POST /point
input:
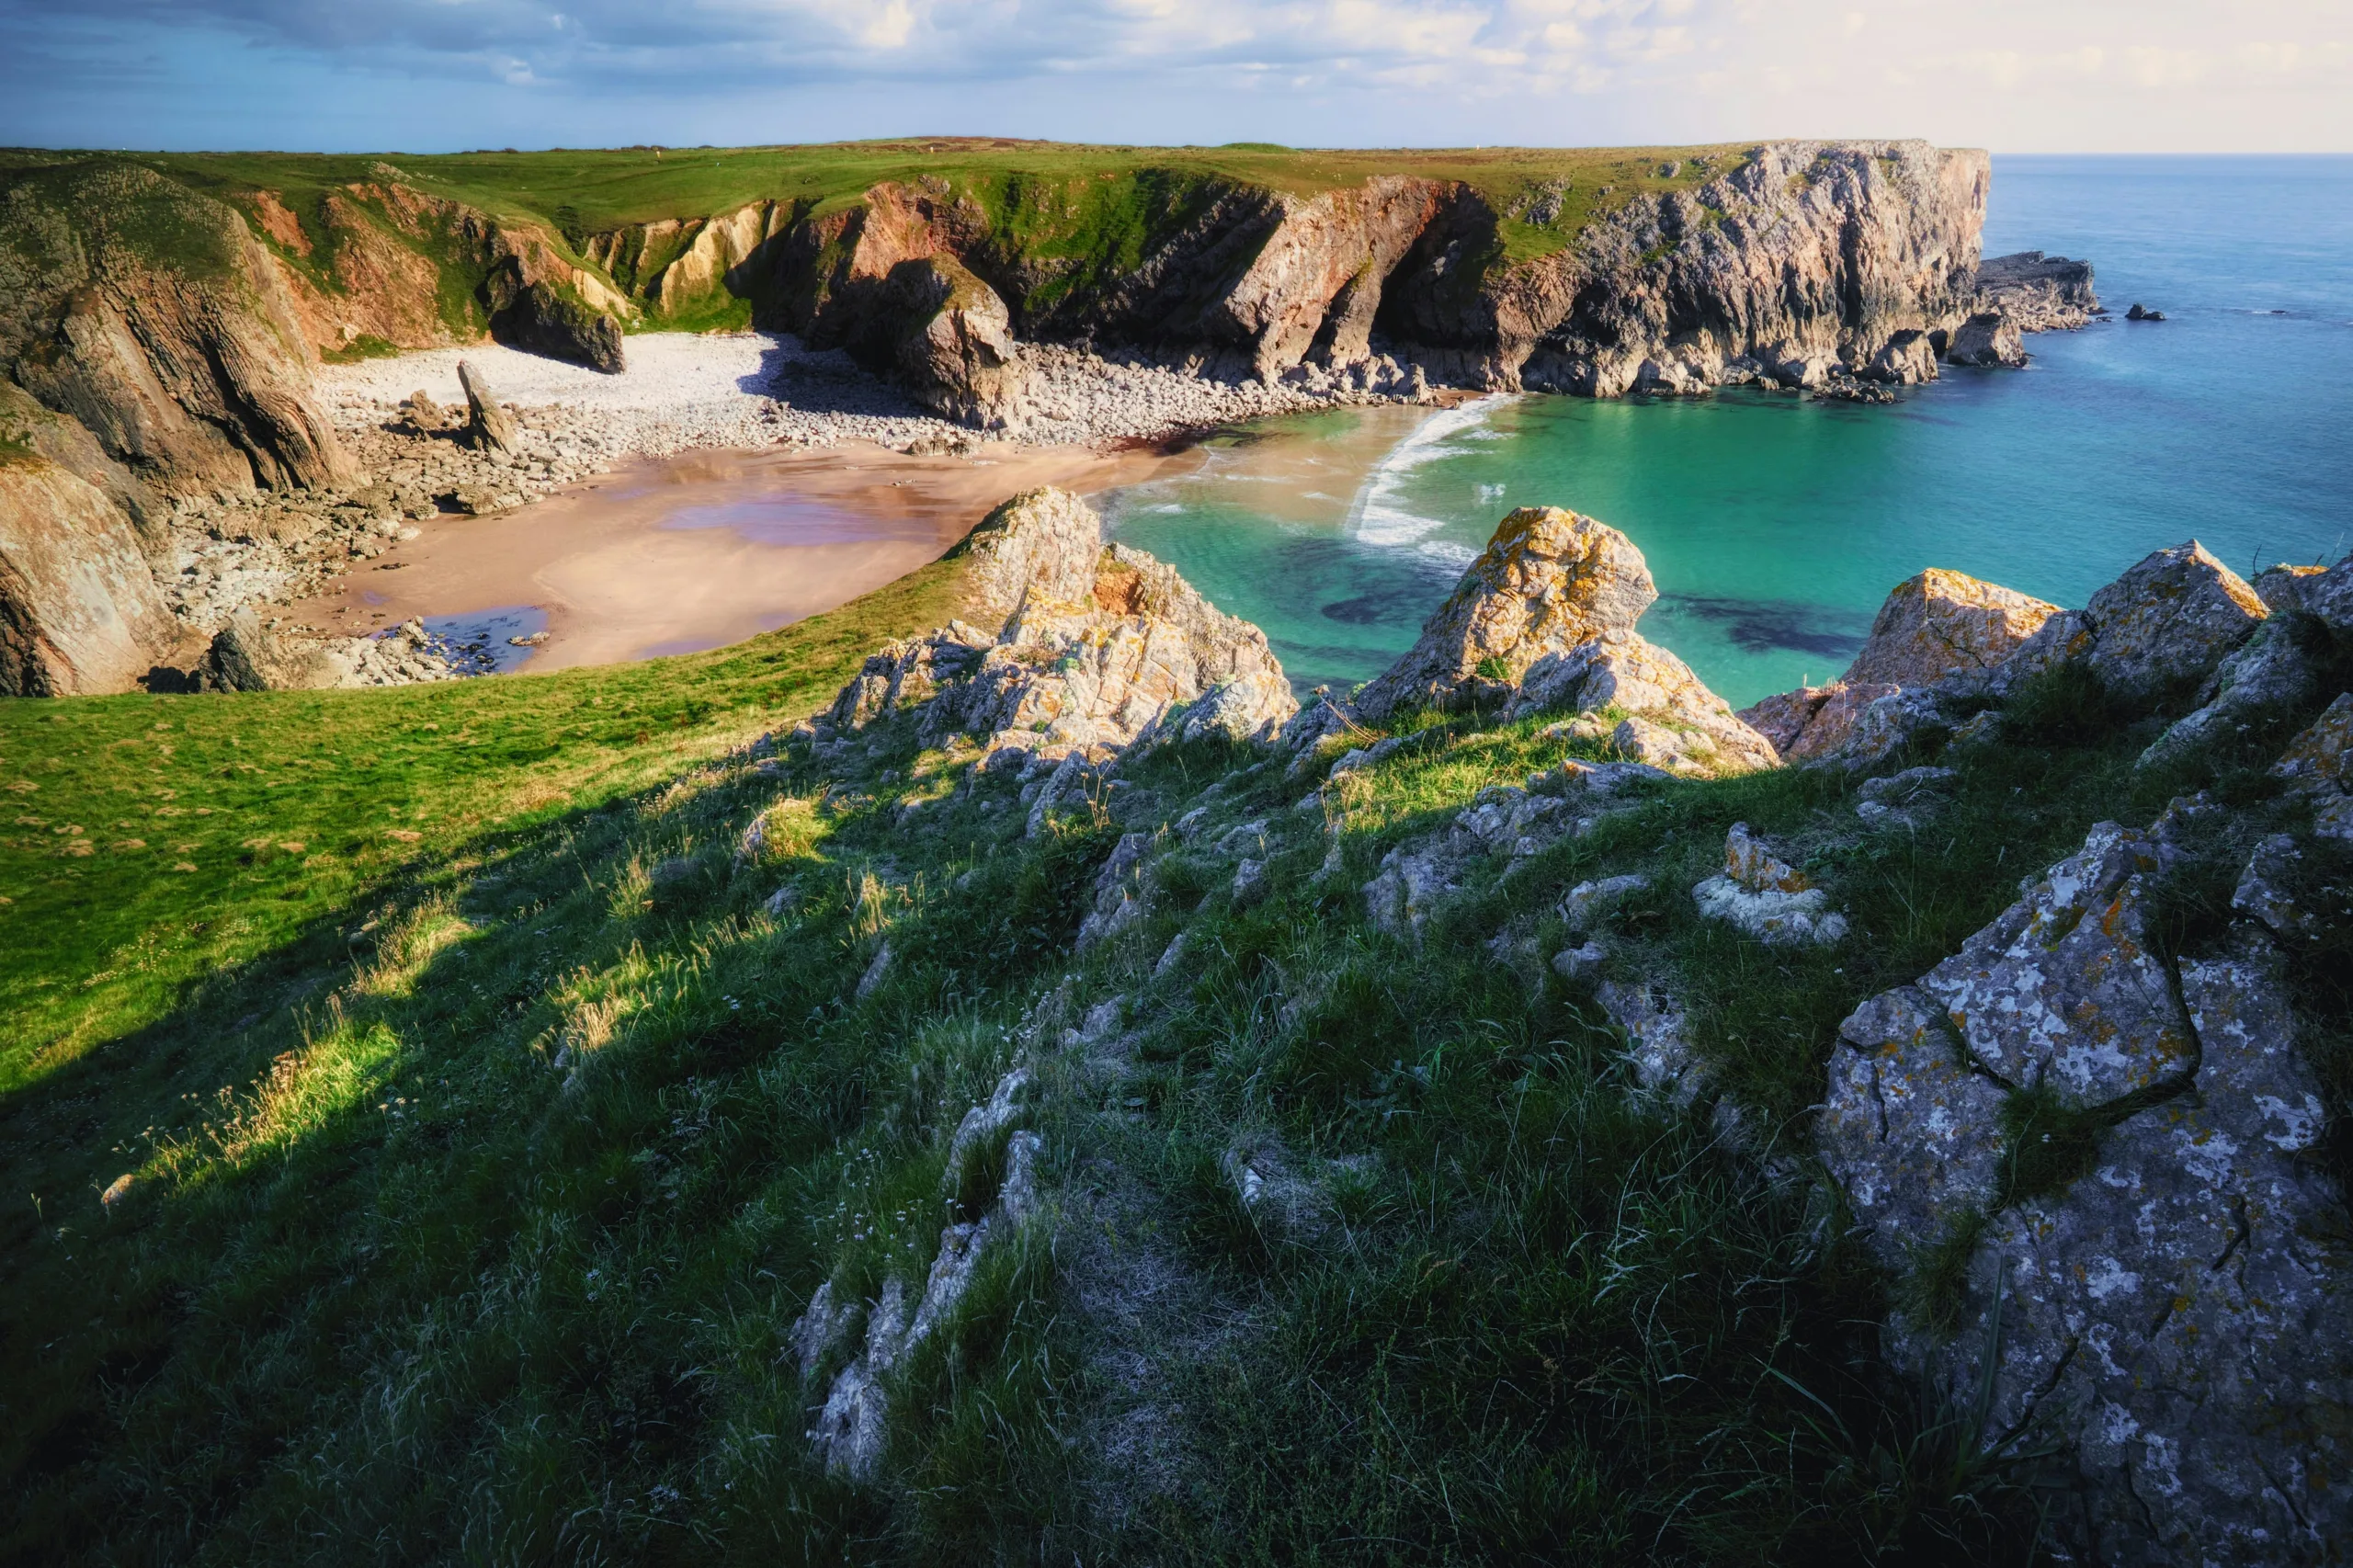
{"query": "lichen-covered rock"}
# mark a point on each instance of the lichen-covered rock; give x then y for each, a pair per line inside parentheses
(1549, 582)
(2066, 990)
(1683, 726)
(2180, 1317)
(1766, 897)
(79, 612)
(1943, 623)
(1909, 1126)
(2176, 1321)
(2163, 627)
(1933, 628)
(1095, 647)
(2319, 761)
(2271, 673)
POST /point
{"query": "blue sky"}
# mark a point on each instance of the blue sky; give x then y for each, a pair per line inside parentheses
(427, 75)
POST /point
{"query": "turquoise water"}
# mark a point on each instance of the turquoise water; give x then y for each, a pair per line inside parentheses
(1776, 526)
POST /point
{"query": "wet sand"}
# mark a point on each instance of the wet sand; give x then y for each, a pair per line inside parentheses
(697, 550)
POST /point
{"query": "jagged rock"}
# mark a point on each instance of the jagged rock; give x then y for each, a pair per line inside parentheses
(1766, 897)
(2141, 313)
(2327, 596)
(1900, 798)
(1659, 1050)
(1583, 903)
(2179, 1317)
(247, 656)
(2066, 990)
(852, 1429)
(2165, 624)
(1119, 893)
(1911, 1127)
(79, 612)
(1042, 542)
(2176, 1319)
(2270, 672)
(1414, 879)
(2041, 293)
(1943, 623)
(488, 423)
(1932, 628)
(1098, 645)
(1549, 582)
(1988, 337)
(150, 314)
(1250, 708)
(2319, 761)
(1618, 669)
(548, 318)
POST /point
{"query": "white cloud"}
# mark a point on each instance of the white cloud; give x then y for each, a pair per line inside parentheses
(2157, 73)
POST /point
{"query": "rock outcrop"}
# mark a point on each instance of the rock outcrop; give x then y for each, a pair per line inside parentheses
(1987, 338)
(1545, 620)
(2114, 1144)
(1096, 649)
(488, 424)
(2161, 628)
(79, 613)
(2039, 293)
(152, 316)
(1932, 628)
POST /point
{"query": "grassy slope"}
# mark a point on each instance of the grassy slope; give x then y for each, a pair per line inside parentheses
(476, 1195)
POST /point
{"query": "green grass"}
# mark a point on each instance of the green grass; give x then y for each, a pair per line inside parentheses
(361, 348)
(478, 1180)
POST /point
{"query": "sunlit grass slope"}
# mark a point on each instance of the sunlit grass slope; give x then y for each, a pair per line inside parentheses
(474, 1189)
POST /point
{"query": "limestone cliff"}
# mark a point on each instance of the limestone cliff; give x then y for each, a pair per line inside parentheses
(78, 607)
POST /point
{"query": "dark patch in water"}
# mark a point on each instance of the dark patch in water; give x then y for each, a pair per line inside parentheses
(1757, 626)
(1372, 609)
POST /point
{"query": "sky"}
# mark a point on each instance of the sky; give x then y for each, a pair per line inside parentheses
(437, 75)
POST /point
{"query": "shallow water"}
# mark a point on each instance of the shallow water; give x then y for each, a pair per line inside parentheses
(1776, 526)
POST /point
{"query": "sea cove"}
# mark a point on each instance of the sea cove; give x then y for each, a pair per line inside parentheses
(1775, 525)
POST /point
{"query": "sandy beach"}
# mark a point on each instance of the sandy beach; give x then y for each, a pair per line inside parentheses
(698, 549)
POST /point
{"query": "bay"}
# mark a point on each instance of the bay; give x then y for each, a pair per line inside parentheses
(1775, 525)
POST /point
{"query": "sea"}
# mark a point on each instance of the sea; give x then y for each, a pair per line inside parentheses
(1774, 525)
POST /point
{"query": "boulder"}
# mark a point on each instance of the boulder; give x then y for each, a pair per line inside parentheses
(1988, 337)
(1943, 623)
(2164, 627)
(1766, 897)
(488, 423)
(956, 349)
(2270, 672)
(1550, 581)
(247, 656)
(79, 612)
(550, 318)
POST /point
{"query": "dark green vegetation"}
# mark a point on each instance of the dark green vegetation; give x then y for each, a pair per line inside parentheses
(478, 1180)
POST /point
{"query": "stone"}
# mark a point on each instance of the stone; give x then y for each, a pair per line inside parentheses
(247, 656)
(1912, 1132)
(2041, 293)
(1907, 358)
(957, 349)
(1987, 338)
(550, 318)
(2270, 672)
(1548, 581)
(2178, 1318)
(1939, 624)
(1900, 798)
(1579, 962)
(79, 612)
(2280, 587)
(1585, 903)
(2319, 762)
(1118, 887)
(1412, 880)
(1766, 897)
(2161, 628)
(488, 424)
(1618, 669)
(2065, 991)
(1659, 1052)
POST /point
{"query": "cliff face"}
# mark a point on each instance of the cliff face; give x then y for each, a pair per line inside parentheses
(1795, 262)
(152, 316)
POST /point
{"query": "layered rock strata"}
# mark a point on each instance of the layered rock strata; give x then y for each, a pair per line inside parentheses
(79, 612)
